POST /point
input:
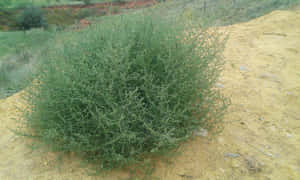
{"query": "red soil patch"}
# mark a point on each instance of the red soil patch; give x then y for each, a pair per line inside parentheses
(102, 9)
(84, 22)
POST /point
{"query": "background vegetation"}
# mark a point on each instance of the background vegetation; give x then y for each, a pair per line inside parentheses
(224, 12)
(24, 3)
(32, 17)
(17, 58)
(217, 12)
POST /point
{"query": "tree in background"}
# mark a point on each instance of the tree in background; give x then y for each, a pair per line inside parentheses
(32, 17)
(4, 3)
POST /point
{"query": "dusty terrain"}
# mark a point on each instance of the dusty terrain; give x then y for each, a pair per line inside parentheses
(261, 139)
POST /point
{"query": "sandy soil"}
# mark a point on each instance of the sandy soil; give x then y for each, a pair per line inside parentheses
(261, 139)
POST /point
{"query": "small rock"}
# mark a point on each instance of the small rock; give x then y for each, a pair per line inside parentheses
(264, 75)
(220, 85)
(84, 22)
(269, 76)
(202, 132)
(185, 176)
(232, 155)
(266, 153)
(269, 154)
(289, 135)
(253, 165)
(243, 68)
(260, 118)
(275, 79)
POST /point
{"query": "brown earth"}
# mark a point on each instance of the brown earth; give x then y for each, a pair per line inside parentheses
(106, 6)
(64, 15)
(261, 139)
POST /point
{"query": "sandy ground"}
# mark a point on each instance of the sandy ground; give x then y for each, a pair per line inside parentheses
(261, 139)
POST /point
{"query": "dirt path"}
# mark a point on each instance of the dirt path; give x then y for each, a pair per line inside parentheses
(261, 139)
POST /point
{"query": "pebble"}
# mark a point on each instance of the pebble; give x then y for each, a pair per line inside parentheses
(260, 118)
(220, 85)
(264, 75)
(266, 153)
(243, 68)
(202, 132)
(253, 165)
(270, 77)
(185, 176)
(232, 155)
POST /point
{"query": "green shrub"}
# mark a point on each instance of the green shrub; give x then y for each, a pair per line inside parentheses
(8, 19)
(118, 1)
(61, 17)
(14, 72)
(86, 2)
(32, 17)
(4, 3)
(3, 74)
(86, 12)
(130, 86)
(114, 10)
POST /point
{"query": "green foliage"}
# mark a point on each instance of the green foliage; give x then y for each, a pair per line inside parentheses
(130, 86)
(86, 2)
(32, 17)
(16, 58)
(83, 13)
(61, 17)
(118, 1)
(5, 3)
(10, 42)
(114, 9)
(226, 12)
(3, 74)
(13, 74)
(23, 3)
(8, 19)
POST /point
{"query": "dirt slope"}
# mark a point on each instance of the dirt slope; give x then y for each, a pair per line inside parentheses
(261, 139)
